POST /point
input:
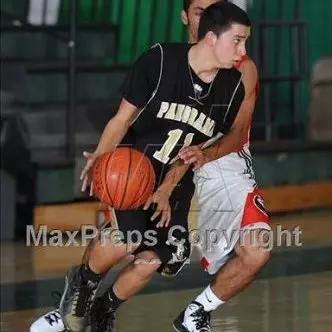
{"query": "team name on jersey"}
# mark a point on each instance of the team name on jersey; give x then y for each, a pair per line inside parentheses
(187, 114)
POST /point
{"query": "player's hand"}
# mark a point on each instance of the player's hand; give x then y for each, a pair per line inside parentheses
(193, 155)
(87, 170)
(163, 208)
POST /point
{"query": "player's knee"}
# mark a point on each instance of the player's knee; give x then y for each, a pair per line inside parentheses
(252, 251)
(254, 258)
(146, 264)
(145, 270)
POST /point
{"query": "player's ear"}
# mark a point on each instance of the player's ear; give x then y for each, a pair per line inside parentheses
(184, 17)
(211, 38)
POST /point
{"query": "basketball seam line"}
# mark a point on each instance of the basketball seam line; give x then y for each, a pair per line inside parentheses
(108, 193)
(128, 178)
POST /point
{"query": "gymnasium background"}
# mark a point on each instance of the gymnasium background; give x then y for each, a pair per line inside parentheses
(62, 62)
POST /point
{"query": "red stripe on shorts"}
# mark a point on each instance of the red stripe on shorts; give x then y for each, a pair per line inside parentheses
(254, 210)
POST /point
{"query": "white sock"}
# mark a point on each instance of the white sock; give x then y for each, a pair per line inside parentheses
(209, 300)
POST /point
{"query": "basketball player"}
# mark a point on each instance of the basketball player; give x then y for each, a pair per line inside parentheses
(228, 199)
(223, 32)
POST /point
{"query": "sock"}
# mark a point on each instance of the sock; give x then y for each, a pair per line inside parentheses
(111, 300)
(88, 275)
(209, 300)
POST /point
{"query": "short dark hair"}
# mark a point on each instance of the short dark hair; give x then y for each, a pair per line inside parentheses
(219, 17)
(186, 4)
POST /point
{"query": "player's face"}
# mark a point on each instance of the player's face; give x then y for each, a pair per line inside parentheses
(230, 46)
(191, 19)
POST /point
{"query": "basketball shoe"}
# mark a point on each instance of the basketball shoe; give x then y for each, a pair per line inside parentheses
(101, 317)
(50, 322)
(77, 300)
(193, 319)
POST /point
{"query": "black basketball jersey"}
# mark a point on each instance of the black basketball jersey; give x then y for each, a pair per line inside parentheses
(176, 107)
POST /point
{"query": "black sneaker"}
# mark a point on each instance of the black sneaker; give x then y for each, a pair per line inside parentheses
(76, 301)
(193, 319)
(101, 317)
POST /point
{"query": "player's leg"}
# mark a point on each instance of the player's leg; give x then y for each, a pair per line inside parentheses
(132, 279)
(89, 271)
(81, 284)
(231, 279)
(107, 250)
(129, 281)
(251, 252)
(236, 272)
(167, 256)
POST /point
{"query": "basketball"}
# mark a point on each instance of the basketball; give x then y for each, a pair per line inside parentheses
(123, 179)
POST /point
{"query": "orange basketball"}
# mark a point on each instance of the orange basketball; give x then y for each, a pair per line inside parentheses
(123, 179)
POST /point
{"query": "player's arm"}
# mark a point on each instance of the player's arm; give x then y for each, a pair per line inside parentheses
(234, 139)
(161, 196)
(136, 90)
(116, 128)
(111, 137)
(173, 177)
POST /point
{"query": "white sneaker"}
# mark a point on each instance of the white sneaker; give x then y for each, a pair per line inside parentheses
(50, 322)
(193, 319)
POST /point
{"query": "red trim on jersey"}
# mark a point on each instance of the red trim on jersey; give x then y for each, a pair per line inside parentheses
(204, 264)
(254, 210)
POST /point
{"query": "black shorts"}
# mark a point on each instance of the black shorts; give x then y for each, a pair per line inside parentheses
(171, 243)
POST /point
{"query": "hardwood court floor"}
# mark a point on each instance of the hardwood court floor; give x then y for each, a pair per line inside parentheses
(20, 263)
(276, 302)
(285, 304)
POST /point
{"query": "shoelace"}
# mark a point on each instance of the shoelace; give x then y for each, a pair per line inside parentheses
(202, 320)
(82, 302)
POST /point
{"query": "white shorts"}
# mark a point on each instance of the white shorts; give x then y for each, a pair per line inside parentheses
(228, 203)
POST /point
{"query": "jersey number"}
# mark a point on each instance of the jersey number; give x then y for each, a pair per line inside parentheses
(173, 138)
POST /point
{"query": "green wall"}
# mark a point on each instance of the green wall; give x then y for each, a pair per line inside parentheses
(318, 15)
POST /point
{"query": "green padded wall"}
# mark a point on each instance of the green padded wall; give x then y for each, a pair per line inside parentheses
(156, 27)
(88, 14)
(318, 15)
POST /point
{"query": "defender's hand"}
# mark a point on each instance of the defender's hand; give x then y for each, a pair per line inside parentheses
(193, 155)
(163, 208)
